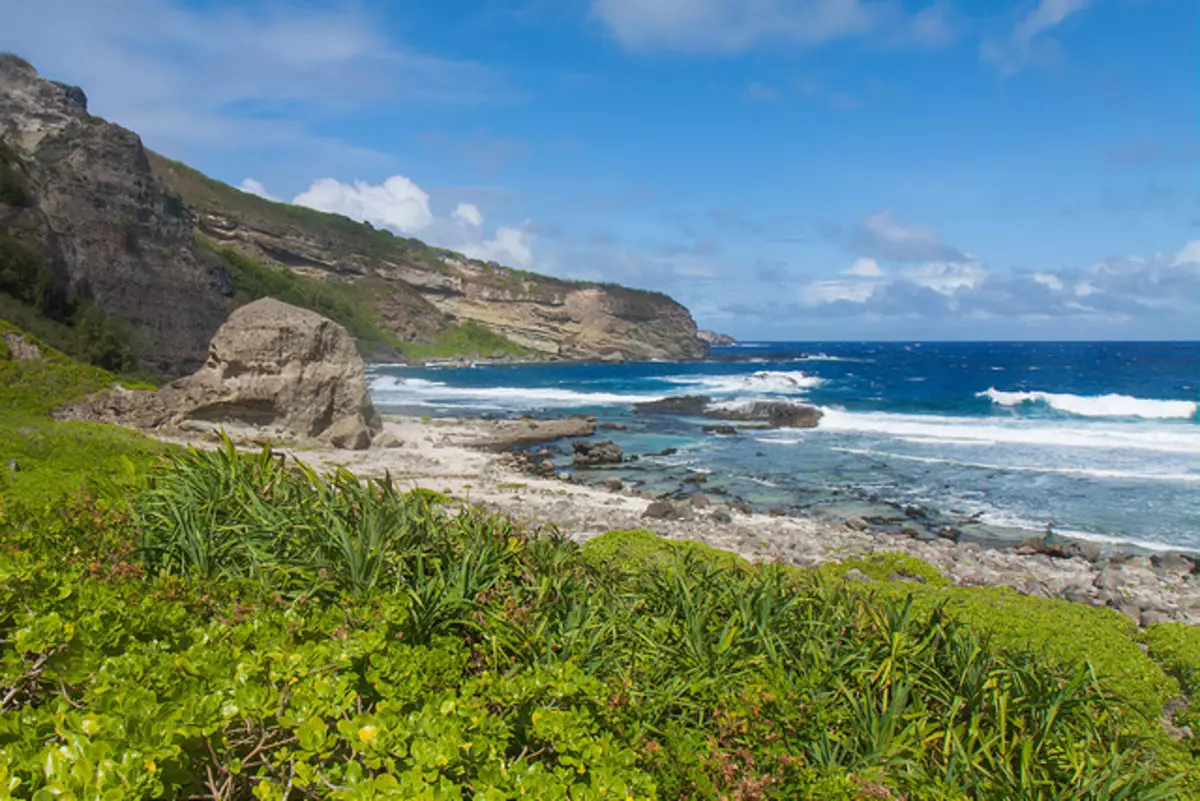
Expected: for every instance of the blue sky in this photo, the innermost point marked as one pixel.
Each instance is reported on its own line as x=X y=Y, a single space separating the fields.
x=789 y=169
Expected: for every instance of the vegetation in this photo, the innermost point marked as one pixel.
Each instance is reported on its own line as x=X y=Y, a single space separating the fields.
x=13 y=191
x=331 y=298
x=468 y=338
x=227 y=625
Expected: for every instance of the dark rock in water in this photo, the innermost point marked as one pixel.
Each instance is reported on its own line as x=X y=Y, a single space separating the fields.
x=696 y=478
x=721 y=515
x=614 y=484
x=546 y=467
x=700 y=502
x=681 y=404
x=915 y=512
x=779 y=414
x=776 y=511
x=588 y=453
x=611 y=427
x=910 y=531
x=667 y=452
x=724 y=430
x=856 y=523
x=740 y=506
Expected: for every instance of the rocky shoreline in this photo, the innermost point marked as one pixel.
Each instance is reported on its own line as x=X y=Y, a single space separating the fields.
x=485 y=462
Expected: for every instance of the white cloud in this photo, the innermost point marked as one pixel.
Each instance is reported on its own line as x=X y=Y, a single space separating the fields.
x=1026 y=46
x=397 y=203
x=946 y=278
x=1049 y=280
x=833 y=291
x=254 y=187
x=233 y=75
x=731 y=26
x=864 y=268
x=468 y=214
x=509 y=246
x=883 y=235
x=1190 y=254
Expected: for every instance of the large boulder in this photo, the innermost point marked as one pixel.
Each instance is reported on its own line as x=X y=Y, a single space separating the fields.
x=681 y=404
x=271 y=365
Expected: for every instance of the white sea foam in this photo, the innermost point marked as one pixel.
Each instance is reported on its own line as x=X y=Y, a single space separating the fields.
x=769 y=382
x=932 y=429
x=422 y=392
x=1089 y=472
x=1005 y=519
x=1097 y=405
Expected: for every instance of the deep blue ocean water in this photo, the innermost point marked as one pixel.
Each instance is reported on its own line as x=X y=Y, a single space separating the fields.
x=1098 y=440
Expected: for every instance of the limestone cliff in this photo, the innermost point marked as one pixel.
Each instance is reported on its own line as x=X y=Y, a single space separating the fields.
x=96 y=215
x=417 y=290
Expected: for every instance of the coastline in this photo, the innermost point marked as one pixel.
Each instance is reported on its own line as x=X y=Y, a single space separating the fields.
x=449 y=455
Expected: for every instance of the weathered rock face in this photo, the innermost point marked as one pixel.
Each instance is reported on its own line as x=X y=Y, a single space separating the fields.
x=714 y=338
x=692 y=405
x=777 y=414
x=272 y=366
x=589 y=453
x=102 y=220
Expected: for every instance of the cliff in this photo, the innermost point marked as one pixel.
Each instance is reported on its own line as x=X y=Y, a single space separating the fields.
x=418 y=292
x=85 y=205
x=169 y=252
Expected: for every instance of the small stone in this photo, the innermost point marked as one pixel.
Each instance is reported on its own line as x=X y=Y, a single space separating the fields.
x=1077 y=594
x=915 y=512
x=696 y=478
x=721 y=515
x=949 y=533
x=1035 y=588
x=1128 y=608
x=910 y=531
x=854 y=574
x=611 y=427
x=387 y=440
x=14 y=465
x=660 y=510
x=776 y=511
x=546 y=467
x=700 y=502
x=1151 y=617
x=564 y=476
x=349 y=433
x=856 y=523
x=1108 y=579
x=614 y=484
x=722 y=430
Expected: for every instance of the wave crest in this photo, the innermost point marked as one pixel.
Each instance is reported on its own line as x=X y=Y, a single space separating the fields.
x=1096 y=405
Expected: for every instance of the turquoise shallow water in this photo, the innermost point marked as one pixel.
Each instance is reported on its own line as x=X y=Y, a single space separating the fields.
x=1099 y=440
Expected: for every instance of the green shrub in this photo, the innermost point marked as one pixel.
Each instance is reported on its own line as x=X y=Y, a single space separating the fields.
x=468 y=338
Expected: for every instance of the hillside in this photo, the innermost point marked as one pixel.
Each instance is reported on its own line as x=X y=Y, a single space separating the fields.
x=104 y=241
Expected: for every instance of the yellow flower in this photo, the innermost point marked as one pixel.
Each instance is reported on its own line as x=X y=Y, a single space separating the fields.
x=150 y=766
x=368 y=733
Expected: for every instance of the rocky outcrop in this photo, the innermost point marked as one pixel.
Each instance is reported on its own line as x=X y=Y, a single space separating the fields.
x=272 y=366
x=692 y=405
x=713 y=338
x=776 y=414
x=99 y=218
x=591 y=453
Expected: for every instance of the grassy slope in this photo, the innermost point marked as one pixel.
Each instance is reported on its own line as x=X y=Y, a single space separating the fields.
x=55 y=458
x=425 y=654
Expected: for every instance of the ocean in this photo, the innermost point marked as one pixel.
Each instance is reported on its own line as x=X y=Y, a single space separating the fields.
x=1098 y=441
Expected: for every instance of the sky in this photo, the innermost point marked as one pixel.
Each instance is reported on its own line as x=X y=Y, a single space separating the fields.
x=788 y=169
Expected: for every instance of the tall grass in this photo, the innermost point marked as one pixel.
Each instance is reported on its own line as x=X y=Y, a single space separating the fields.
x=749 y=677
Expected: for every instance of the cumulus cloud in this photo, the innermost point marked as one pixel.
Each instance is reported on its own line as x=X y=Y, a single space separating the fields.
x=1027 y=45
x=730 y=26
x=881 y=235
x=512 y=247
x=397 y=203
x=254 y=187
x=1190 y=253
x=468 y=214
